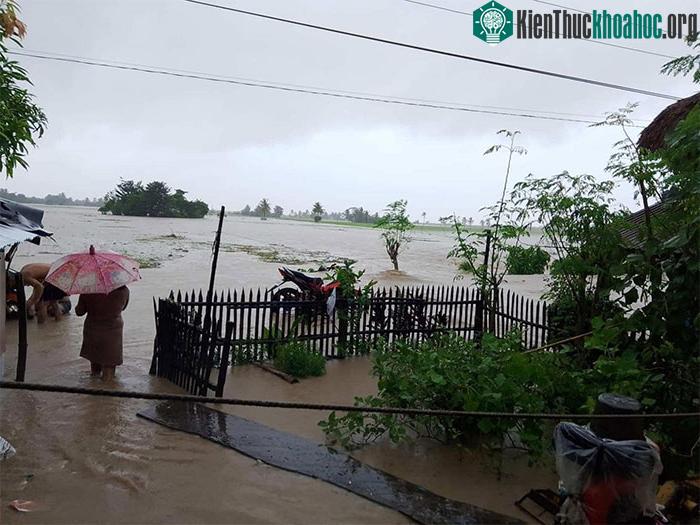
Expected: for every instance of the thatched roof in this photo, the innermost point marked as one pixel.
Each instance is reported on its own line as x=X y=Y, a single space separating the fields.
x=654 y=135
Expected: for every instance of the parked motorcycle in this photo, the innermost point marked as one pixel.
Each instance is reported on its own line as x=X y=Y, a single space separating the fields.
x=306 y=287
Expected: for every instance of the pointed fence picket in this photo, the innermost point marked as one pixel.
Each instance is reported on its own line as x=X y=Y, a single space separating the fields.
x=260 y=323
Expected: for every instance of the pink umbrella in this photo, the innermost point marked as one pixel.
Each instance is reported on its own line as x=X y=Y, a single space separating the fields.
x=92 y=272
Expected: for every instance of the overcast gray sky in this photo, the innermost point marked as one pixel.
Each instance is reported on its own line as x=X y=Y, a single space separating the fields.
x=234 y=145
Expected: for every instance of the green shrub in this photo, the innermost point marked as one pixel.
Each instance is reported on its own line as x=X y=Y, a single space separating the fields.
x=526 y=261
x=450 y=373
x=297 y=360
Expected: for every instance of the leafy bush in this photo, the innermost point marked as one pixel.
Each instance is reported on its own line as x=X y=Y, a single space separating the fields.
x=526 y=261
x=450 y=373
x=297 y=360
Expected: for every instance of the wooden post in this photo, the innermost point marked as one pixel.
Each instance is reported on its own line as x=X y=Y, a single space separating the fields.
x=22 y=329
x=482 y=305
x=214 y=262
x=3 y=284
x=223 y=365
x=342 y=309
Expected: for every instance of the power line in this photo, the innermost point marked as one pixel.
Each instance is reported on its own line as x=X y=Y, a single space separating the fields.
x=360 y=93
x=290 y=88
x=627 y=48
x=438 y=51
x=563 y=7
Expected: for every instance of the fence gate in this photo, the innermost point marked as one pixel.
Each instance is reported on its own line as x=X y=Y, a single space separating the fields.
x=188 y=348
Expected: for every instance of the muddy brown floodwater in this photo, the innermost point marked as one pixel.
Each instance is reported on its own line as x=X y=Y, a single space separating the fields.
x=90 y=460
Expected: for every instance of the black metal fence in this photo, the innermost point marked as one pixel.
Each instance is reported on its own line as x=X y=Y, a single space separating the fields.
x=261 y=323
x=196 y=336
x=515 y=312
x=187 y=349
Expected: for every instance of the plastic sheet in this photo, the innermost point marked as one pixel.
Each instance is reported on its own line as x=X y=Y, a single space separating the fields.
x=606 y=481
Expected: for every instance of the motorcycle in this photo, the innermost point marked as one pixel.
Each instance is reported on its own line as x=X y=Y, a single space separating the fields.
x=307 y=287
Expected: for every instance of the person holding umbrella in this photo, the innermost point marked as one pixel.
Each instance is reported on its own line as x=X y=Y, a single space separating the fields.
x=100 y=278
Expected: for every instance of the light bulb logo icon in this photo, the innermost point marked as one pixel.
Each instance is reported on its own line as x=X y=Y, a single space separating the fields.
x=493 y=23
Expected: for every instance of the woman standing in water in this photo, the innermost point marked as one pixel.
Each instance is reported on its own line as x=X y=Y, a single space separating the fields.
x=102 y=332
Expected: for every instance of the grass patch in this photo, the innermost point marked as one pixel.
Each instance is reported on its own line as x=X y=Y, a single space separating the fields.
x=146 y=262
x=281 y=254
x=295 y=359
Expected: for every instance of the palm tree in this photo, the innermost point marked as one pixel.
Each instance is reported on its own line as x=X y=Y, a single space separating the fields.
x=263 y=209
x=423 y=214
x=317 y=211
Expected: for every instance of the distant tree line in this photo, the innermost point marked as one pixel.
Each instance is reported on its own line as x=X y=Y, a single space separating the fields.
x=317 y=212
x=59 y=199
x=155 y=199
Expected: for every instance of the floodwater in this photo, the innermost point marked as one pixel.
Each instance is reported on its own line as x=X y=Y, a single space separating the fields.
x=84 y=460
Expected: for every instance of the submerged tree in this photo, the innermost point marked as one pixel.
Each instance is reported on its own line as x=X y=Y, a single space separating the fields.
x=396 y=226
x=154 y=200
x=318 y=211
x=278 y=211
x=263 y=209
x=21 y=120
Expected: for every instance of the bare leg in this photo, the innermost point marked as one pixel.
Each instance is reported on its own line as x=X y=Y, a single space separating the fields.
x=57 y=310
x=108 y=373
x=42 y=311
x=95 y=369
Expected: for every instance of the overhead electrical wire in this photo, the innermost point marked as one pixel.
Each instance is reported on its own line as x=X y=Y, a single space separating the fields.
x=600 y=42
x=290 y=87
x=450 y=54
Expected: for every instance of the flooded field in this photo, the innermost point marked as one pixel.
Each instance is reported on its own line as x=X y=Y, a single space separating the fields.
x=86 y=459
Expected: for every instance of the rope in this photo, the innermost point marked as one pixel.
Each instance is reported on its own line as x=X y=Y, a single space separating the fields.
x=7 y=385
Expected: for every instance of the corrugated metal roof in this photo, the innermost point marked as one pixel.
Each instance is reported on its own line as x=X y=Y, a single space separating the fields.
x=19 y=223
x=10 y=236
x=637 y=221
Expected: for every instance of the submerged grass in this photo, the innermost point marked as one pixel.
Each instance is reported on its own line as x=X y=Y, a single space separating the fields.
x=282 y=254
x=146 y=262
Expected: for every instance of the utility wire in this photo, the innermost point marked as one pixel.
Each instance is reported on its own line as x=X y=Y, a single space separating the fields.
x=627 y=48
x=36 y=387
x=290 y=88
x=438 y=51
x=341 y=91
x=562 y=6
